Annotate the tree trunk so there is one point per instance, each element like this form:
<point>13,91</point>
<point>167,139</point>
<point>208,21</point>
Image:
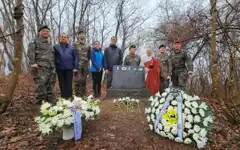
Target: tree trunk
<point>214,70</point>
<point>18,10</point>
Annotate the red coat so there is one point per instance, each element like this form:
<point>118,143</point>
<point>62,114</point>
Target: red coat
<point>153,76</point>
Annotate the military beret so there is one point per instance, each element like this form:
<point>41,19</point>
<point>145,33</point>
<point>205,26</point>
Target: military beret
<point>43,27</point>
<point>162,46</point>
<point>81,29</point>
<point>132,46</point>
<point>177,41</point>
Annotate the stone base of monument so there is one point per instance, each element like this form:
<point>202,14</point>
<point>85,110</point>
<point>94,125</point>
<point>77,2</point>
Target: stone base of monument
<point>133,93</point>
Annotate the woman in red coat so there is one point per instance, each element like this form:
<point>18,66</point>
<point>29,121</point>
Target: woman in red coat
<point>152,68</point>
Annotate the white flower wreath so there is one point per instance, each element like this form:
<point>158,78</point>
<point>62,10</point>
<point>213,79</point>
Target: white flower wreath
<point>179,117</point>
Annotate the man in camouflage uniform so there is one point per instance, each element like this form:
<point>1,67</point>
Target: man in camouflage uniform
<point>42,61</point>
<point>182,66</point>
<point>165,68</point>
<point>132,59</point>
<point>84,55</point>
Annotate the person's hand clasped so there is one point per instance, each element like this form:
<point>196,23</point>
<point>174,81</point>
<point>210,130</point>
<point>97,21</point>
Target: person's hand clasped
<point>190,73</point>
<point>75,70</point>
<point>34,66</point>
<point>100,70</point>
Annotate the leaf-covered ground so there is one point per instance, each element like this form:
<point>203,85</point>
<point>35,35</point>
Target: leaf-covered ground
<point>112,130</point>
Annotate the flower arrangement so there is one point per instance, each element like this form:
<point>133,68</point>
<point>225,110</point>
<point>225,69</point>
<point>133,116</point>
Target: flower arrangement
<point>60,115</point>
<point>180,117</point>
<point>127,102</point>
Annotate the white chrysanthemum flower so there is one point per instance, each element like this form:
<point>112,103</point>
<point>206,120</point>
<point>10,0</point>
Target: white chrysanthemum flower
<point>179,140</point>
<point>158,131</point>
<point>45,128</point>
<point>189,118</point>
<point>183,106</point>
<point>162,100</point>
<point>148,119</point>
<point>196,128</point>
<point>196,98</point>
<point>164,94</point>
<point>60,123</point>
<point>187,141</point>
<point>197,119</point>
<point>160,106</point>
<point>205,123</point>
<point>187,104</point>
<point>203,105</point>
<point>185,134</point>
<point>174,131</point>
<point>167,129</point>
<point>151,98</point>
<point>163,134</point>
<point>194,104</point>
<point>156,104</point>
<point>188,125</point>
<point>202,112</point>
<point>151,127</point>
<point>153,103</point>
<point>194,110</point>
<point>187,111</point>
<point>195,137</point>
<point>146,109</point>
<point>170,107</point>
<point>203,133</point>
<point>185,96</point>
<point>174,103</point>
<point>45,106</point>
<point>157,111</point>
<point>152,117</point>
<point>209,119</point>
<point>158,94</point>
<point>153,110</point>
<point>201,143</point>
<point>160,126</point>
<point>54,120</point>
<point>170,136</point>
<point>191,131</point>
<point>164,122</point>
<point>167,90</point>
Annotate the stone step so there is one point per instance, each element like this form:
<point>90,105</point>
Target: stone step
<point>133,93</point>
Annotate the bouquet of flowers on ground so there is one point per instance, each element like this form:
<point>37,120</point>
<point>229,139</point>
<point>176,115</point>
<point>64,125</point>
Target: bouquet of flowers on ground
<point>54,117</point>
<point>128,103</point>
<point>180,117</point>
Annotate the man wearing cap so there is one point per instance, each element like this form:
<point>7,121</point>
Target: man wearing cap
<point>84,55</point>
<point>132,59</point>
<point>112,56</point>
<point>42,61</point>
<point>165,68</point>
<point>182,66</point>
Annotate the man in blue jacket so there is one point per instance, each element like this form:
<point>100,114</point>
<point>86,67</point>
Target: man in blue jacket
<point>66,65</point>
<point>112,56</point>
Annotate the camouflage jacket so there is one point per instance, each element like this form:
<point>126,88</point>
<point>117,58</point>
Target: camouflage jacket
<point>132,60</point>
<point>181,60</point>
<point>165,65</point>
<point>83,52</point>
<point>41,52</point>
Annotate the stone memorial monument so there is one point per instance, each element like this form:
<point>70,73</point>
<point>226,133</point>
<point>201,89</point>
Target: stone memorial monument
<point>128,81</point>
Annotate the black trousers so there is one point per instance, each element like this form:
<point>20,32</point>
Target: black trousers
<point>97,79</point>
<point>65,78</point>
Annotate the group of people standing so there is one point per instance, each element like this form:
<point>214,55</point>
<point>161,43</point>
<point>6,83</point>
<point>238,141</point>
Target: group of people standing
<point>175,66</point>
<point>70,61</point>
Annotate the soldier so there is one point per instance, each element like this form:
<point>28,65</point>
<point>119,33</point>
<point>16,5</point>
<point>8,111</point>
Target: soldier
<point>42,61</point>
<point>84,55</point>
<point>165,68</point>
<point>182,66</point>
<point>132,59</point>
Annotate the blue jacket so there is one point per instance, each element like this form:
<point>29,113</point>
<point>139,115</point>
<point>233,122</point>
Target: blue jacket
<point>66,57</point>
<point>97,59</point>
